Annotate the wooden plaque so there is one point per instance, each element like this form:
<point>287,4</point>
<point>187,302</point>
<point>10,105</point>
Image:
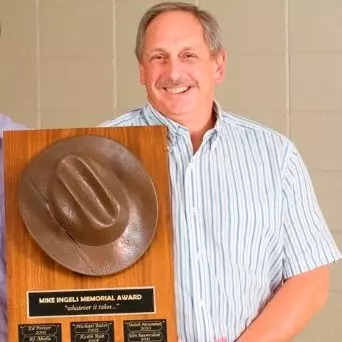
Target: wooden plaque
<point>48,302</point>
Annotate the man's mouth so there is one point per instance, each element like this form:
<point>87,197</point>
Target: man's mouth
<point>177,90</point>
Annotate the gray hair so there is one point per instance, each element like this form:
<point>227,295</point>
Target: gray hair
<point>211,30</point>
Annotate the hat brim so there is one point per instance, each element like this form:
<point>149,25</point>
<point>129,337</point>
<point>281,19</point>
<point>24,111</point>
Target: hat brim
<point>59,245</point>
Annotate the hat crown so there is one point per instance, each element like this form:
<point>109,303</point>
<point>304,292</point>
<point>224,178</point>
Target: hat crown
<point>87,200</point>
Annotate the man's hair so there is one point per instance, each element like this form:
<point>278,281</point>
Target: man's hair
<point>211,30</point>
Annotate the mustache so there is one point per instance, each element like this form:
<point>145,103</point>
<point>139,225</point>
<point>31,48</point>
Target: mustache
<point>170,83</point>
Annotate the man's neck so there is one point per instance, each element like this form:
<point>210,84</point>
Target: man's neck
<point>197,126</point>
<point>197,133</point>
<point>197,123</point>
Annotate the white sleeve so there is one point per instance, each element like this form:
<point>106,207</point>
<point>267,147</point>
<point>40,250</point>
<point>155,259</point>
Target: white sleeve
<point>308,243</point>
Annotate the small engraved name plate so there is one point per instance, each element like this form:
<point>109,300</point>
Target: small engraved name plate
<point>39,332</point>
<point>145,330</point>
<point>92,331</point>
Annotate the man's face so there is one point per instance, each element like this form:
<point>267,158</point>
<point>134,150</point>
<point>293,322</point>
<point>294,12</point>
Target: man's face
<point>176,67</point>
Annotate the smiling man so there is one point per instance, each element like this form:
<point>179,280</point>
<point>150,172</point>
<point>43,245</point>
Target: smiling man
<point>179,70</point>
<point>251,246</point>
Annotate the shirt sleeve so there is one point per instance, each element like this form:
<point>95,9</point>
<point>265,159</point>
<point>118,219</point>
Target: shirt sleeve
<point>6,123</point>
<point>308,243</point>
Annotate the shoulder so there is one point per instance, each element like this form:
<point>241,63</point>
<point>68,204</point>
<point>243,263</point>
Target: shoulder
<point>246,127</point>
<point>243,125</point>
<point>134,117</point>
<point>257,137</point>
<point>7,123</point>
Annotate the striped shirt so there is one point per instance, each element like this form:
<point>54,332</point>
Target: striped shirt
<point>245,218</point>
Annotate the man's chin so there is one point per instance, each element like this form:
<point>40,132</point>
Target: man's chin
<point>177,112</point>
<point>174,106</point>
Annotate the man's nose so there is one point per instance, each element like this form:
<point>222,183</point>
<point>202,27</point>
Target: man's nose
<point>174,69</point>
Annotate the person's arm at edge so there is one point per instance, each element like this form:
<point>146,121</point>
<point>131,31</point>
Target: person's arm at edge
<point>287,313</point>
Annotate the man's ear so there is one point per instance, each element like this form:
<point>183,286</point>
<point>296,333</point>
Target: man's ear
<point>220,63</point>
<point>142,74</point>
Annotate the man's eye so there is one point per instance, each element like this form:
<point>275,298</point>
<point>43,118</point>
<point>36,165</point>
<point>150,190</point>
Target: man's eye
<point>157,57</point>
<point>189,56</point>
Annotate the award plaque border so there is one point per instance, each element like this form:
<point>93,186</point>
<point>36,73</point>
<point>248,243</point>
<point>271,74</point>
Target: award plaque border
<point>31,271</point>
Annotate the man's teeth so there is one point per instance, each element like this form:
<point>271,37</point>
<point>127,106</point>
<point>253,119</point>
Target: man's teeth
<point>177,90</point>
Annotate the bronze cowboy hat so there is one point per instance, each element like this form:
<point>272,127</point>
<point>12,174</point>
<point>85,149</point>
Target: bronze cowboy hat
<point>89,204</point>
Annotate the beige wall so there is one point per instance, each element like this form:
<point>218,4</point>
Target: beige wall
<point>71,63</point>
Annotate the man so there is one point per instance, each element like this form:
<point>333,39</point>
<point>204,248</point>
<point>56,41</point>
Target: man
<point>5,124</point>
<point>251,247</point>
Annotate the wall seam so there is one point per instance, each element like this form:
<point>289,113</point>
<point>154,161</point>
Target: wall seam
<point>287,68</point>
<point>114,60</point>
<point>38,67</point>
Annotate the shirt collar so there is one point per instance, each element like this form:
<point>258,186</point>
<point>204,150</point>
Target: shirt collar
<point>153,117</point>
<point>218,112</point>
